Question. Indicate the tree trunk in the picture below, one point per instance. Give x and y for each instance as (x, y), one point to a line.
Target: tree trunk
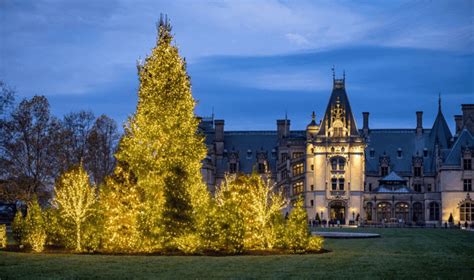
(78, 237)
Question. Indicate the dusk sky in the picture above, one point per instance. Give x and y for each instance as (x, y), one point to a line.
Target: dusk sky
(249, 60)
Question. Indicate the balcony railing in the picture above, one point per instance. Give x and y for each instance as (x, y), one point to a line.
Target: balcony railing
(338, 193)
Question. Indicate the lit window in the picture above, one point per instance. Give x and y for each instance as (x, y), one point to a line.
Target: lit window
(467, 212)
(467, 185)
(298, 169)
(297, 187)
(298, 154)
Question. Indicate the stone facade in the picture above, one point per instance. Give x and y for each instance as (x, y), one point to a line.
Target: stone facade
(350, 175)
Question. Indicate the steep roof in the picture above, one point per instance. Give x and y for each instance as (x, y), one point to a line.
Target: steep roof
(339, 96)
(387, 142)
(440, 133)
(465, 139)
(248, 144)
(393, 177)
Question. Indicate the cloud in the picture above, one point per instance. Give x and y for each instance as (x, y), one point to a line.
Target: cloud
(297, 39)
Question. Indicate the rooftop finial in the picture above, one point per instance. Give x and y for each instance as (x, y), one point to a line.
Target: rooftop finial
(333, 72)
(439, 102)
(344, 74)
(313, 116)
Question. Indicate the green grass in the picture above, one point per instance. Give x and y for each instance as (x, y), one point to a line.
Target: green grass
(400, 253)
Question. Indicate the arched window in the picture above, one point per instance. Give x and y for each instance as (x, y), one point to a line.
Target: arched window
(384, 212)
(402, 212)
(467, 212)
(434, 211)
(418, 212)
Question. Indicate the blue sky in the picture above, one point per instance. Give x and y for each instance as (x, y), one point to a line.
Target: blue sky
(249, 60)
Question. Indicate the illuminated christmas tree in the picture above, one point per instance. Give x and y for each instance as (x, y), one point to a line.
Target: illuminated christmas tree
(75, 199)
(120, 207)
(298, 234)
(160, 138)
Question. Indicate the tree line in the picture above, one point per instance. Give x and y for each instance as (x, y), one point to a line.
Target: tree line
(36, 147)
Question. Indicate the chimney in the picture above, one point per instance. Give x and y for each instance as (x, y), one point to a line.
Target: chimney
(219, 136)
(458, 122)
(283, 128)
(419, 123)
(366, 123)
(468, 117)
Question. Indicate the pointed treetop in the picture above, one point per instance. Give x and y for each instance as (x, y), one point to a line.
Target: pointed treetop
(164, 27)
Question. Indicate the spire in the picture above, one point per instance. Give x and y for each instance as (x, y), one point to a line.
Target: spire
(344, 74)
(439, 102)
(333, 73)
(313, 116)
(338, 107)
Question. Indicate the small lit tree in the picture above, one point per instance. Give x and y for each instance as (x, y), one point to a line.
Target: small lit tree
(34, 227)
(230, 215)
(3, 236)
(121, 205)
(18, 228)
(265, 205)
(75, 199)
(297, 228)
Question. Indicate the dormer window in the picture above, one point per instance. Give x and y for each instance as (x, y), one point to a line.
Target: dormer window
(249, 154)
(467, 164)
(274, 153)
(399, 153)
(232, 167)
(372, 153)
(425, 152)
(225, 152)
(417, 171)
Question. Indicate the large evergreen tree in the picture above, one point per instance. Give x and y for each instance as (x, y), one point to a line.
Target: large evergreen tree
(161, 137)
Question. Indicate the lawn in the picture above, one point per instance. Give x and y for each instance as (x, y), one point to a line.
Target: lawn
(399, 253)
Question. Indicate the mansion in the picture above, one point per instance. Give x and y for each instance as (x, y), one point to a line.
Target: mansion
(417, 175)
